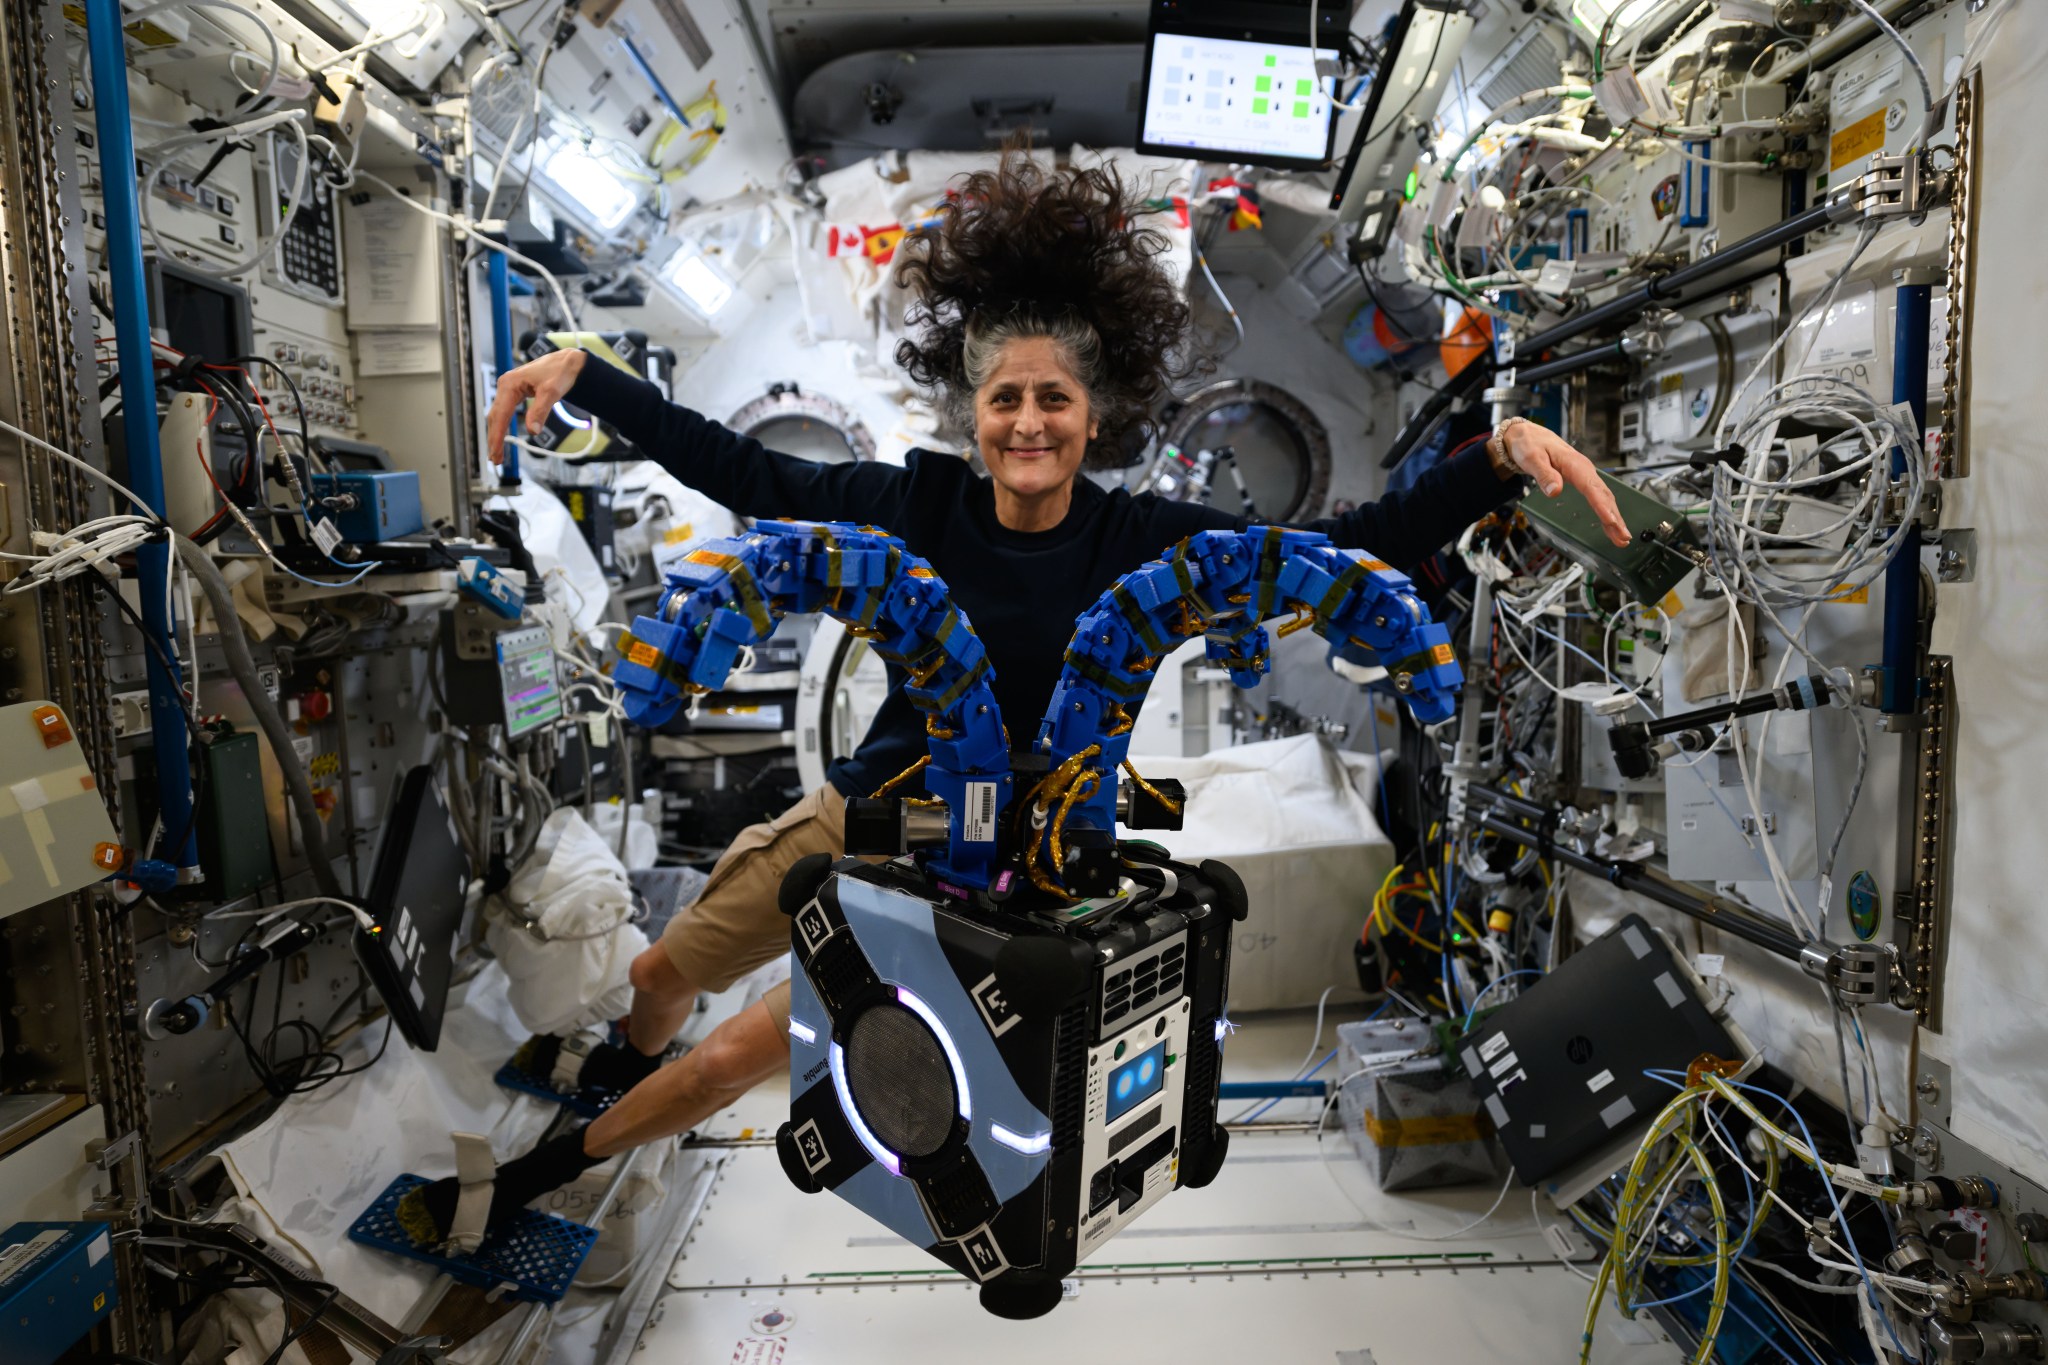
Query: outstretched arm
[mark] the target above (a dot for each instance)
(1405, 528)
(734, 470)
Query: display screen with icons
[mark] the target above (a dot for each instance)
(1136, 1081)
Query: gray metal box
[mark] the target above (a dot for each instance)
(1413, 1125)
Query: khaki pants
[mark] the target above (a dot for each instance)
(734, 925)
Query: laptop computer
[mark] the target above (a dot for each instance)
(416, 899)
(1560, 1069)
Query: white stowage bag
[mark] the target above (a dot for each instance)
(1293, 817)
(548, 930)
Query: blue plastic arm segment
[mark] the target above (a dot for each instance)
(1221, 585)
(727, 593)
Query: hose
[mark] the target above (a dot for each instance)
(234, 644)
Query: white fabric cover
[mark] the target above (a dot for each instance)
(573, 886)
(1293, 818)
(315, 1165)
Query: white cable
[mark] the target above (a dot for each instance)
(71, 459)
(467, 228)
(88, 547)
(372, 40)
(291, 120)
(262, 26)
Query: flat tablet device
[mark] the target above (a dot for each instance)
(1237, 82)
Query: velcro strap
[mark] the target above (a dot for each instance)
(475, 1171)
(567, 1075)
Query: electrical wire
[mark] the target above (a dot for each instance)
(466, 227)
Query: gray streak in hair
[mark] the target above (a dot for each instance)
(1079, 347)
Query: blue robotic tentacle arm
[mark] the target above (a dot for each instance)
(1221, 585)
(728, 593)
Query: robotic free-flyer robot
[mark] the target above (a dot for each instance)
(1005, 1040)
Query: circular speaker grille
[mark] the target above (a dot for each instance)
(900, 1080)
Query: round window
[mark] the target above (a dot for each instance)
(1247, 447)
(806, 425)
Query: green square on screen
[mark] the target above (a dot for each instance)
(1272, 60)
(1301, 87)
(1262, 84)
(1258, 105)
(1301, 108)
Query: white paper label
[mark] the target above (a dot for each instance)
(1749, 12)
(1600, 1082)
(15, 1255)
(326, 535)
(1621, 95)
(1556, 277)
(1709, 964)
(978, 821)
(96, 1250)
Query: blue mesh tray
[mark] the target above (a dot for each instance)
(587, 1103)
(537, 1258)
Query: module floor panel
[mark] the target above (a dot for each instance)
(1274, 1262)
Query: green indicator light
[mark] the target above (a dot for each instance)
(1262, 84)
(1302, 87)
(1301, 108)
(1258, 105)
(1413, 183)
(1272, 60)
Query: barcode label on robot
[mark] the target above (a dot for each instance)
(979, 821)
(325, 535)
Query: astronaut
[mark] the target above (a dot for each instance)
(1044, 321)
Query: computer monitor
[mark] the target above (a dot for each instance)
(416, 900)
(199, 315)
(1233, 81)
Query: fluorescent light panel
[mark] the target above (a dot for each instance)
(588, 184)
(702, 284)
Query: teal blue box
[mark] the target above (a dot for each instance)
(56, 1284)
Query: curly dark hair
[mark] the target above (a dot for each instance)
(1023, 250)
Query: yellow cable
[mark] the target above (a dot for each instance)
(908, 773)
(1146, 787)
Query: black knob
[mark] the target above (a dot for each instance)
(1953, 1240)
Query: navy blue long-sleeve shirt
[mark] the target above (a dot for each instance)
(1021, 590)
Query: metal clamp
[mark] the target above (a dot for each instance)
(1857, 973)
(1901, 186)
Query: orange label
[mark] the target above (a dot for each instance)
(711, 557)
(676, 535)
(643, 654)
(49, 723)
(1844, 593)
(1441, 654)
(1422, 1132)
(1375, 564)
(1858, 140)
(922, 573)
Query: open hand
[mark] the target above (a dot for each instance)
(1551, 461)
(540, 384)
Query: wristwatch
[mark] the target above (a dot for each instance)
(1497, 450)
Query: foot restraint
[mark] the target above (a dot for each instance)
(534, 1257)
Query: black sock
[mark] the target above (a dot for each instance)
(519, 1182)
(606, 1067)
(610, 1067)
